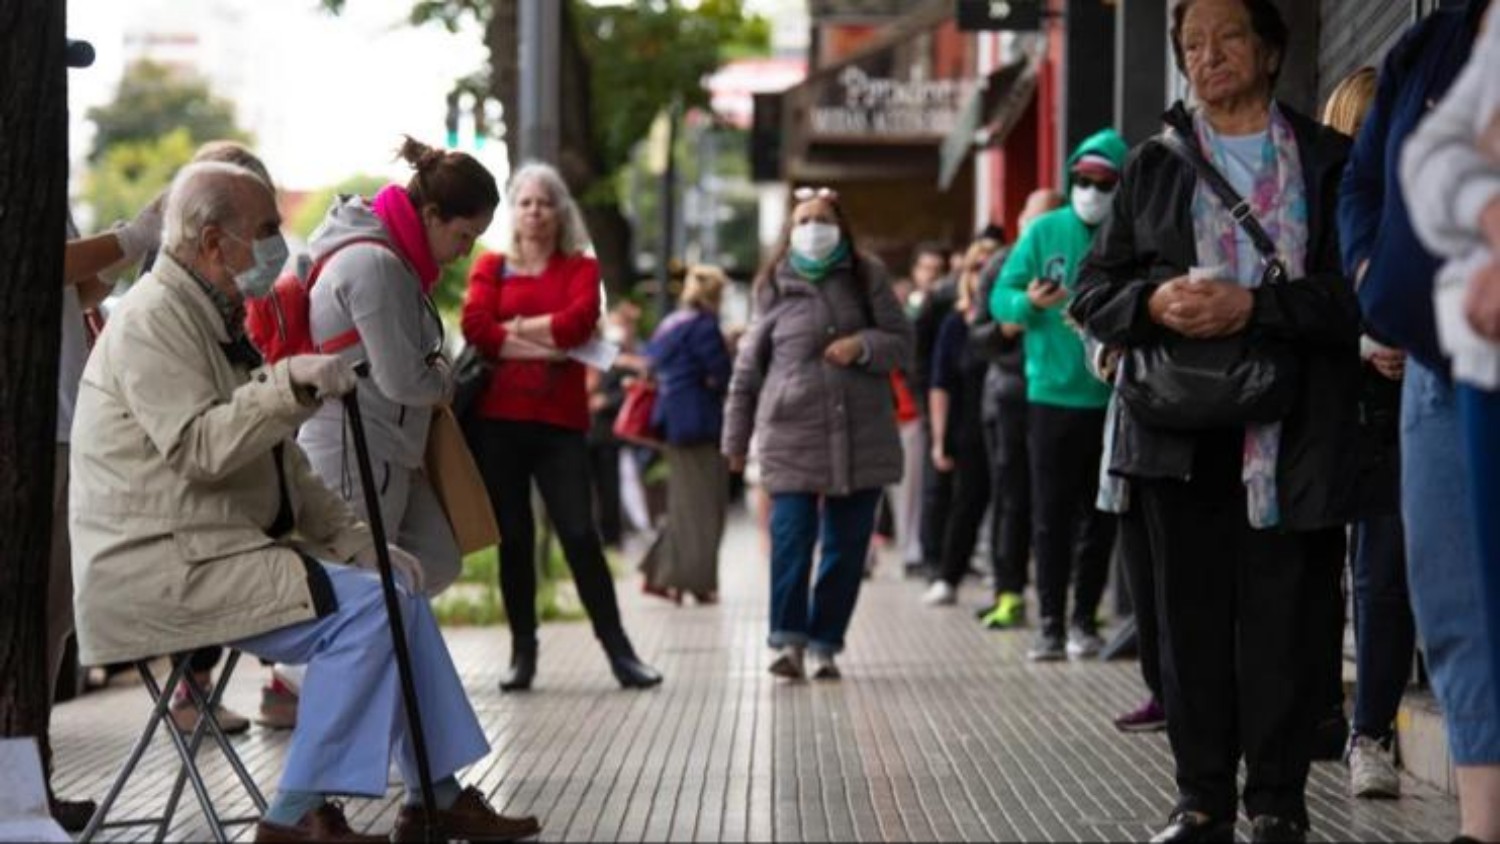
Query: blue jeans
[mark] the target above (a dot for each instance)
(1384, 632)
(845, 524)
(1442, 566)
(1481, 418)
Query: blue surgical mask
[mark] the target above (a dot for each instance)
(270, 256)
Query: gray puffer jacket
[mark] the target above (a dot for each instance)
(821, 428)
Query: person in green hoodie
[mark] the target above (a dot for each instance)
(1067, 402)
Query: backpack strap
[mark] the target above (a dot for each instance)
(345, 339)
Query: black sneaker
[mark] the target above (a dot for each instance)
(1049, 646)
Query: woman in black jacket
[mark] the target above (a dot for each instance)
(1240, 519)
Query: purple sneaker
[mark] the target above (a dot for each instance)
(1150, 718)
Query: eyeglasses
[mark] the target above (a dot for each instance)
(805, 194)
(1105, 185)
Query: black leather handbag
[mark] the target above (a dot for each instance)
(1188, 384)
(471, 376)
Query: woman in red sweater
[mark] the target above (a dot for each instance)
(524, 311)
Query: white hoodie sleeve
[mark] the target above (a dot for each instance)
(385, 304)
(1449, 179)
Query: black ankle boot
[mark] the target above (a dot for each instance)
(522, 668)
(628, 668)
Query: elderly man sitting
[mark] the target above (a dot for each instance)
(196, 521)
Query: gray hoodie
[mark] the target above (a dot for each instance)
(370, 288)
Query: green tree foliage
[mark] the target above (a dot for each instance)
(159, 117)
(647, 54)
(131, 173)
(153, 100)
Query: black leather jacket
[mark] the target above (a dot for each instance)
(1150, 239)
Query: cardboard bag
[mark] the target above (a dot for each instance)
(459, 487)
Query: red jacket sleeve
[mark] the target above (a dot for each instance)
(481, 317)
(575, 323)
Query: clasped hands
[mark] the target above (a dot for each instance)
(1202, 309)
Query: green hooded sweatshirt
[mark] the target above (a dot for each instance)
(1053, 248)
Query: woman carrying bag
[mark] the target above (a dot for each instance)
(690, 363)
(523, 311)
(812, 382)
(1239, 514)
(380, 259)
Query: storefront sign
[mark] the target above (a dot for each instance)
(857, 104)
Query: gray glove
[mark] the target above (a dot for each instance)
(326, 376)
(142, 234)
(406, 568)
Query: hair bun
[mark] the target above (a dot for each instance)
(419, 155)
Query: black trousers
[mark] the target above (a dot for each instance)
(1328, 549)
(1071, 538)
(937, 498)
(971, 498)
(1238, 625)
(604, 466)
(1135, 558)
(511, 455)
(1010, 489)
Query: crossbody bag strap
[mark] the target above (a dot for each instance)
(1239, 207)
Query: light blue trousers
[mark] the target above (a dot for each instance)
(350, 715)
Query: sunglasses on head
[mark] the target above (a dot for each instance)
(1095, 182)
(805, 194)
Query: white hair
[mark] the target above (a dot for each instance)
(572, 234)
(204, 194)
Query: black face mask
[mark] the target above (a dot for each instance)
(242, 353)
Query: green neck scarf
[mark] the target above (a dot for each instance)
(813, 270)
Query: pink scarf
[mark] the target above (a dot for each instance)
(404, 225)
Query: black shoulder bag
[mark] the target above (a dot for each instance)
(1183, 383)
(472, 371)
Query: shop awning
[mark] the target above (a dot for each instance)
(988, 116)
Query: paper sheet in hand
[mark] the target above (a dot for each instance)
(600, 354)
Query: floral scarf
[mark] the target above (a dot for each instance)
(1279, 202)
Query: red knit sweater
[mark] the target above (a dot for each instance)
(534, 391)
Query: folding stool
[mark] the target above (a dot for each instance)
(187, 752)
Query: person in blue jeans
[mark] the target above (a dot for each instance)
(812, 382)
(1451, 170)
(1395, 274)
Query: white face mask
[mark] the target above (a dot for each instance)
(814, 240)
(1092, 204)
(270, 256)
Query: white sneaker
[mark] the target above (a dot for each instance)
(1372, 773)
(825, 668)
(940, 594)
(788, 664)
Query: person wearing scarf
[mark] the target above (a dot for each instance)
(372, 304)
(812, 383)
(1245, 524)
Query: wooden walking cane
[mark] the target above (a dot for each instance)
(392, 606)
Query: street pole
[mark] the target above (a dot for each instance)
(668, 218)
(541, 30)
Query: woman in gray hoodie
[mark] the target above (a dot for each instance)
(812, 380)
(380, 259)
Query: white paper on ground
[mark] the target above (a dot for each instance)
(600, 354)
(23, 795)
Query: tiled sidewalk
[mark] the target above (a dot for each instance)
(939, 731)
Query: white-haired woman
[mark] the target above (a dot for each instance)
(523, 310)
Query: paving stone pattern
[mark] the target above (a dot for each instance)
(939, 731)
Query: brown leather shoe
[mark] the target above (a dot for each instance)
(470, 819)
(325, 823)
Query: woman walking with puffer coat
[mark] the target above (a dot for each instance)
(812, 382)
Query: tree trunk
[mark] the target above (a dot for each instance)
(578, 160)
(33, 196)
